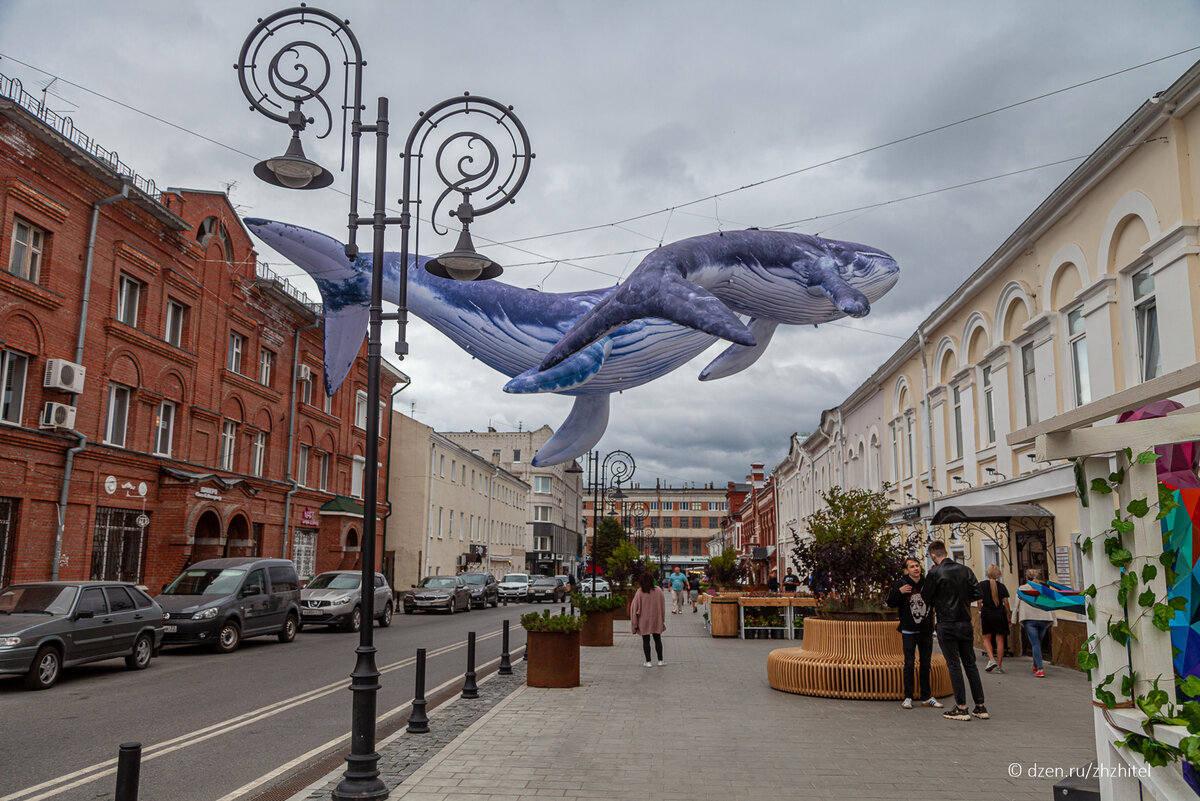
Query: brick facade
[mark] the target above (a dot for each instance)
(173, 276)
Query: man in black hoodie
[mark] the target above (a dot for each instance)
(950, 589)
(916, 628)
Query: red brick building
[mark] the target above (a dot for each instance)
(161, 389)
(750, 526)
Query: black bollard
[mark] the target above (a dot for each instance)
(505, 665)
(418, 721)
(129, 769)
(470, 690)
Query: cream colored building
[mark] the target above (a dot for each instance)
(553, 527)
(1096, 291)
(452, 510)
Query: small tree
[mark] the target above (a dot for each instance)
(608, 535)
(850, 552)
(726, 570)
(626, 564)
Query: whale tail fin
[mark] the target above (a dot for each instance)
(578, 434)
(653, 290)
(344, 286)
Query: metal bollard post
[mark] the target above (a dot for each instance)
(505, 666)
(129, 769)
(418, 721)
(470, 690)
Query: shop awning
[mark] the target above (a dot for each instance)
(204, 478)
(341, 505)
(994, 513)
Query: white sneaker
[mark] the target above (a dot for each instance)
(933, 702)
(645, 664)
(907, 704)
(991, 665)
(662, 662)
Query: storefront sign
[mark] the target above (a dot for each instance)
(308, 517)
(1062, 563)
(208, 494)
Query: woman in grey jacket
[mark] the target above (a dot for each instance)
(1035, 620)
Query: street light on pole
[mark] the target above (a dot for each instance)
(280, 71)
(618, 466)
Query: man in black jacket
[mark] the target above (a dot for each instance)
(951, 588)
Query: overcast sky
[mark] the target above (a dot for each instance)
(639, 107)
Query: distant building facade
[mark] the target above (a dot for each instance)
(677, 525)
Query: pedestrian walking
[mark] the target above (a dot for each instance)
(950, 589)
(648, 616)
(791, 582)
(694, 590)
(773, 583)
(916, 630)
(993, 618)
(678, 583)
(1035, 620)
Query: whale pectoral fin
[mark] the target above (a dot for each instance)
(319, 255)
(576, 369)
(578, 434)
(344, 332)
(654, 292)
(736, 358)
(846, 298)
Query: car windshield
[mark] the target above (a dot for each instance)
(475, 578)
(335, 581)
(438, 582)
(37, 599)
(206, 581)
(545, 580)
(516, 577)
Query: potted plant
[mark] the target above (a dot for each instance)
(598, 618)
(625, 564)
(552, 648)
(724, 571)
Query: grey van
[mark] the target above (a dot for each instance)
(218, 602)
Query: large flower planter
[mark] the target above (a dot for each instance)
(724, 613)
(623, 614)
(597, 630)
(553, 659)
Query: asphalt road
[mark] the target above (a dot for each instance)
(209, 723)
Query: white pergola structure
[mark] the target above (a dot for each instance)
(1074, 435)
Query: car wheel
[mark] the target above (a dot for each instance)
(229, 638)
(450, 607)
(290, 627)
(355, 621)
(45, 669)
(143, 649)
(385, 619)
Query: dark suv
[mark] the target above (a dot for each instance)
(485, 590)
(220, 601)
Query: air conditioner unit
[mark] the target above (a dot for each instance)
(303, 372)
(64, 375)
(58, 415)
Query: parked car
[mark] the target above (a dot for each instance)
(334, 598)
(597, 586)
(447, 593)
(220, 602)
(547, 588)
(485, 590)
(567, 581)
(50, 625)
(515, 586)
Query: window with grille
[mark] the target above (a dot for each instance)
(27, 245)
(304, 552)
(118, 546)
(8, 533)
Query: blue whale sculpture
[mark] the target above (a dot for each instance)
(590, 344)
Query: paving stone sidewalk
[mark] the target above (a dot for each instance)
(707, 726)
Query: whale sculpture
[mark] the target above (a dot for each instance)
(590, 344)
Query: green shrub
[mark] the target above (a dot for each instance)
(562, 623)
(588, 603)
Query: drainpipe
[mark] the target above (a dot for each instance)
(429, 499)
(387, 482)
(65, 491)
(841, 449)
(928, 416)
(287, 503)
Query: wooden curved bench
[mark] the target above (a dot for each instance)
(861, 660)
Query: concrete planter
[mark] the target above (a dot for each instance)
(553, 659)
(597, 630)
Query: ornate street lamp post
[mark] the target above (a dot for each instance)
(615, 466)
(280, 72)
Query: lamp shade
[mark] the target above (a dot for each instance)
(464, 263)
(293, 170)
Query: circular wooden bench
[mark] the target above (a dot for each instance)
(850, 659)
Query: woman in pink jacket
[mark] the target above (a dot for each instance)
(648, 616)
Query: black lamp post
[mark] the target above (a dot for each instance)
(280, 71)
(617, 466)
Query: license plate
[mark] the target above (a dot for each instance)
(309, 612)
(169, 629)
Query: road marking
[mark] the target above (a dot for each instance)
(108, 767)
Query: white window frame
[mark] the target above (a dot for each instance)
(14, 375)
(909, 461)
(360, 410)
(237, 343)
(327, 403)
(542, 514)
(1145, 315)
(516, 455)
(956, 411)
(1077, 346)
(323, 472)
(228, 445)
(358, 470)
(258, 453)
(116, 421)
(266, 361)
(173, 323)
(164, 428)
(306, 389)
(1029, 382)
(302, 465)
(989, 407)
(129, 295)
(27, 251)
(542, 485)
